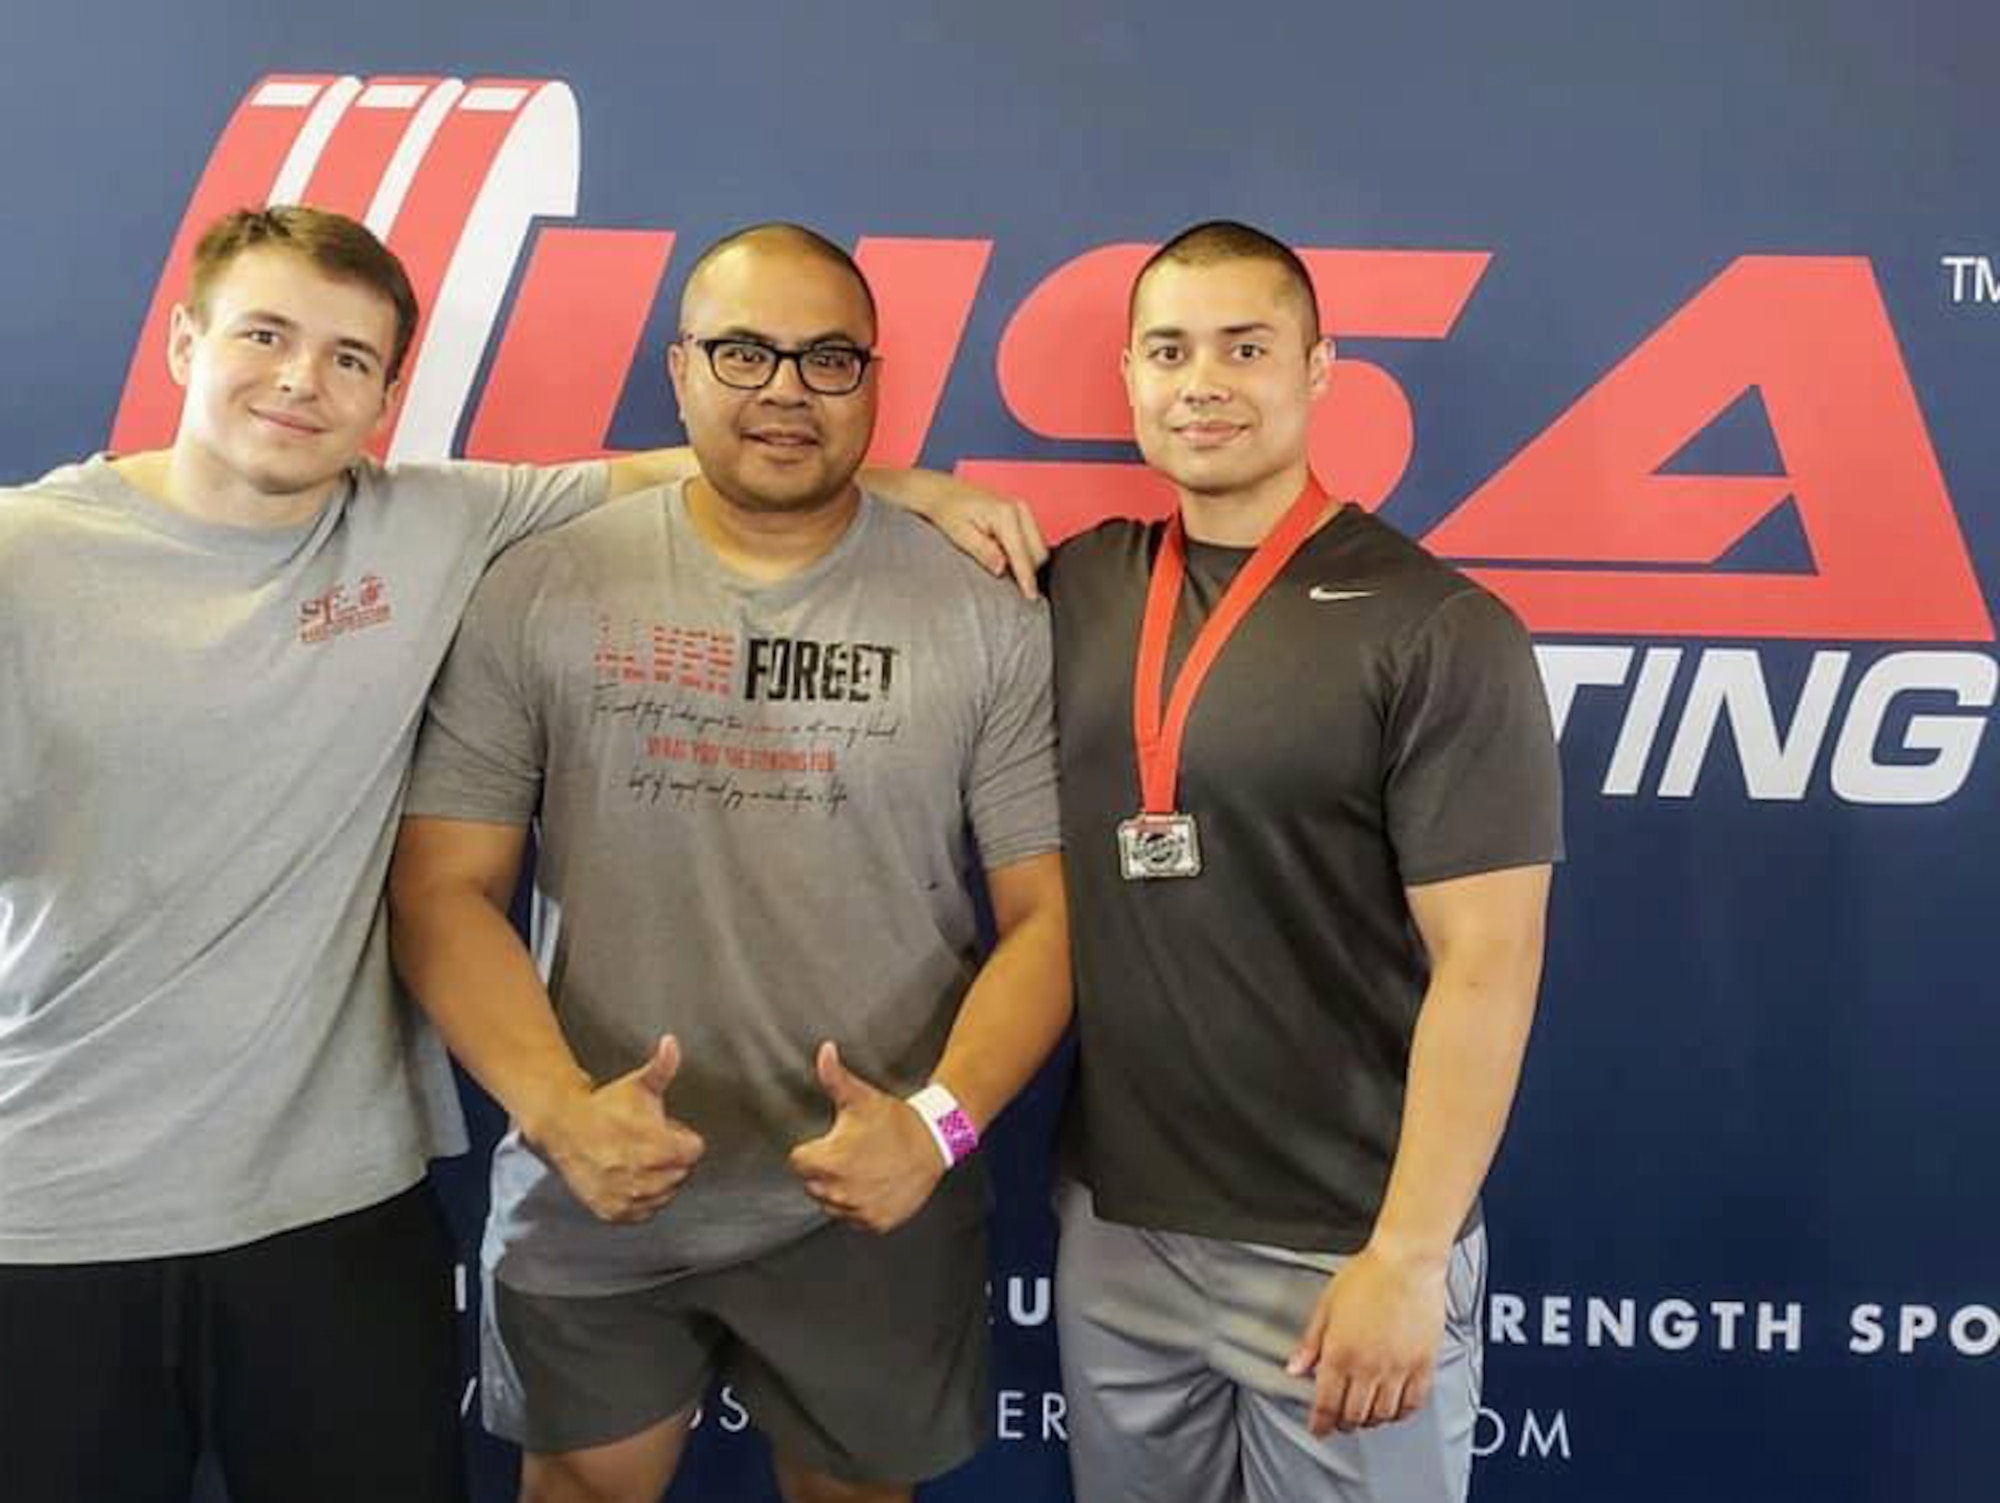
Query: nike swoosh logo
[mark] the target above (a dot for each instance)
(1321, 592)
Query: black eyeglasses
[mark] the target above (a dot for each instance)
(832, 370)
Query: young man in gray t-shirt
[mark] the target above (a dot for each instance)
(214, 1116)
(762, 724)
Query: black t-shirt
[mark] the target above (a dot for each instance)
(1376, 722)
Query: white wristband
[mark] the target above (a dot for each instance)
(950, 1128)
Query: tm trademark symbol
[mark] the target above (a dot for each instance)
(1972, 279)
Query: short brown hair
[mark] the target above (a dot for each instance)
(1215, 241)
(342, 248)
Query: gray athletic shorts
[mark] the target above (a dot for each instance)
(862, 1356)
(1173, 1357)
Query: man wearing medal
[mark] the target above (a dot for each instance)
(1310, 804)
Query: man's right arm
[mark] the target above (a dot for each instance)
(615, 1145)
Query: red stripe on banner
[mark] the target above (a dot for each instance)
(924, 291)
(357, 154)
(1058, 360)
(1657, 603)
(1069, 498)
(569, 345)
(446, 186)
(1811, 336)
(1393, 294)
(239, 174)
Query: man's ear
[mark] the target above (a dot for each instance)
(183, 329)
(1319, 366)
(392, 397)
(677, 364)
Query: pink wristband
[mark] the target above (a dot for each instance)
(949, 1126)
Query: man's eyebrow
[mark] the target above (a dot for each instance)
(279, 321)
(1257, 326)
(829, 336)
(264, 316)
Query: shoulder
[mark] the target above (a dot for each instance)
(1110, 542)
(924, 561)
(598, 533)
(1093, 570)
(469, 480)
(458, 497)
(76, 484)
(63, 499)
(1360, 554)
(480, 489)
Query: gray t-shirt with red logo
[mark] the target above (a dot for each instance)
(757, 806)
(205, 734)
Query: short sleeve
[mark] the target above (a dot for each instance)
(1011, 794)
(482, 748)
(528, 498)
(1472, 782)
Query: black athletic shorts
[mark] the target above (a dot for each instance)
(319, 1366)
(858, 1355)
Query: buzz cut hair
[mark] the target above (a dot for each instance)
(784, 235)
(1216, 241)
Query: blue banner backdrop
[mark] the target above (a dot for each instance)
(1678, 321)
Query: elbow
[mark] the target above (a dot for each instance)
(415, 896)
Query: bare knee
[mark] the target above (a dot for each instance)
(635, 1469)
(554, 1479)
(801, 1485)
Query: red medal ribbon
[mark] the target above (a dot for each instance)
(1157, 737)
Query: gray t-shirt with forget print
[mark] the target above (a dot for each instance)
(205, 733)
(757, 807)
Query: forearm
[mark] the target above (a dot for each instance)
(1012, 1019)
(473, 976)
(1465, 1063)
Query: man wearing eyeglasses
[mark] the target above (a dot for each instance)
(763, 722)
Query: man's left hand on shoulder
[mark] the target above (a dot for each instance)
(877, 1164)
(1372, 1343)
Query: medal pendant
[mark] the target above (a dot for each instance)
(1152, 846)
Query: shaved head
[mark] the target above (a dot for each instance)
(780, 238)
(1221, 240)
(776, 445)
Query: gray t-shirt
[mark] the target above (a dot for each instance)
(758, 804)
(1376, 722)
(204, 737)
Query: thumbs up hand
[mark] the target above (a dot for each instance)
(617, 1147)
(877, 1164)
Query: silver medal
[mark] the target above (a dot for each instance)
(1158, 845)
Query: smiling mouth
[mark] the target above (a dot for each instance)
(288, 425)
(792, 441)
(1208, 435)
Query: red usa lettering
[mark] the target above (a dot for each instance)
(454, 174)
